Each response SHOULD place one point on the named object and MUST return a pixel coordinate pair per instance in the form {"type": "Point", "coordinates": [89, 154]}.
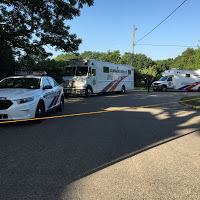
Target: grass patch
{"type": "Point", "coordinates": [194, 101]}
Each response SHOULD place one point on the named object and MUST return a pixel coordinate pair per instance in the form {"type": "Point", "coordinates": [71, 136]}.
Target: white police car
{"type": "Point", "coordinates": [29, 95]}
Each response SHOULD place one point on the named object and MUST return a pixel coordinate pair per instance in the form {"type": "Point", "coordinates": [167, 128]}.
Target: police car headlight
{"type": "Point", "coordinates": [24, 100]}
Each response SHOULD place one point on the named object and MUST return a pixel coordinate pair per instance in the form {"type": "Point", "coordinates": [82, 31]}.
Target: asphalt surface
{"type": "Point", "coordinates": [143, 153]}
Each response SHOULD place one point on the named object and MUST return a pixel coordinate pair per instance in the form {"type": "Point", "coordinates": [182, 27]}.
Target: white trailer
{"type": "Point", "coordinates": [91, 76]}
{"type": "Point", "coordinates": [179, 80]}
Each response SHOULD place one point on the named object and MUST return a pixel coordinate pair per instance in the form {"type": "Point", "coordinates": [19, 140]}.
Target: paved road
{"type": "Point", "coordinates": [143, 153]}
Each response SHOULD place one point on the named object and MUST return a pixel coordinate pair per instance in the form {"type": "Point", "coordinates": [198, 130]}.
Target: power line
{"type": "Point", "coordinates": [167, 45]}
{"type": "Point", "coordinates": [162, 21]}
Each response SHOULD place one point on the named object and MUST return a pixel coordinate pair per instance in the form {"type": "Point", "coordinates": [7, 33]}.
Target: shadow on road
{"type": "Point", "coordinates": [38, 161]}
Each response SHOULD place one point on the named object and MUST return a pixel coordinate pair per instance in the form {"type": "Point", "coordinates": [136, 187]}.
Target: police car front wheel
{"type": "Point", "coordinates": [40, 110]}
{"type": "Point", "coordinates": [61, 105]}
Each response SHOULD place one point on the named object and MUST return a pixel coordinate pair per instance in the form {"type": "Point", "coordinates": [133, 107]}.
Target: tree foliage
{"type": "Point", "coordinates": [109, 56]}
{"type": "Point", "coordinates": [28, 25]}
{"type": "Point", "coordinates": [188, 60]}
{"type": "Point", "coordinates": [7, 61]}
{"type": "Point", "coordinates": [35, 63]}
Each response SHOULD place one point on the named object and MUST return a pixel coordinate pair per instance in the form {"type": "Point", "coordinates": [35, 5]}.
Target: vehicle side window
{"type": "Point", "coordinates": [52, 82]}
{"type": "Point", "coordinates": [169, 79]}
{"type": "Point", "coordinates": [45, 82]}
{"type": "Point", "coordinates": [129, 71]}
{"type": "Point", "coordinates": [106, 69]}
{"type": "Point", "coordinates": [55, 83]}
{"type": "Point", "coordinates": [93, 72]}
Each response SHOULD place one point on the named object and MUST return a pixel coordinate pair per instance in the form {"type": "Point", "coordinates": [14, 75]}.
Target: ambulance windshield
{"type": "Point", "coordinates": [76, 71]}
{"type": "Point", "coordinates": [28, 83]}
{"type": "Point", "coordinates": [164, 78]}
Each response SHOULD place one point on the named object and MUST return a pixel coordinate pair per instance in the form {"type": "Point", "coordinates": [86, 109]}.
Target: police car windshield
{"type": "Point", "coordinates": [28, 83]}
{"type": "Point", "coordinates": [76, 71]}
{"type": "Point", "coordinates": [163, 78]}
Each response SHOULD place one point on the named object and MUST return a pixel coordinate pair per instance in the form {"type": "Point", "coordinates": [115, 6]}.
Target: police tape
{"type": "Point", "coordinates": [90, 113]}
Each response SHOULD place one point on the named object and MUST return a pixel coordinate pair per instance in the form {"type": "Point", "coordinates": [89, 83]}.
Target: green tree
{"type": "Point", "coordinates": [126, 59]}
{"type": "Point", "coordinates": [7, 61]}
{"type": "Point", "coordinates": [34, 63]}
{"type": "Point", "coordinates": [28, 25]}
{"type": "Point", "coordinates": [109, 56]}
{"type": "Point", "coordinates": [162, 65]}
{"type": "Point", "coordinates": [151, 71]}
{"type": "Point", "coordinates": [141, 61]}
{"type": "Point", "coordinates": [197, 59]}
{"type": "Point", "coordinates": [52, 67]}
{"type": "Point", "coordinates": [93, 55]}
{"type": "Point", "coordinates": [112, 57]}
{"type": "Point", "coordinates": [68, 56]}
{"type": "Point", "coordinates": [186, 60]}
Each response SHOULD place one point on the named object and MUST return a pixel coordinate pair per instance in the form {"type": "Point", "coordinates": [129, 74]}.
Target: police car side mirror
{"type": "Point", "coordinates": [46, 87]}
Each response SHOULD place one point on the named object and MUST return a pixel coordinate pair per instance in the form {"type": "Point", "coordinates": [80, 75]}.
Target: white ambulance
{"type": "Point", "coordinates": [179, 80]}
{"type": "Point", "coordinates": [89, 76]}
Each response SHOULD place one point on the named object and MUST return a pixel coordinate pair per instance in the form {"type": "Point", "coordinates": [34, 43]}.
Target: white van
{"type": "Point", "coordinates": [91, 76]}
{"type": "Point", "coordinates": [179, 80]}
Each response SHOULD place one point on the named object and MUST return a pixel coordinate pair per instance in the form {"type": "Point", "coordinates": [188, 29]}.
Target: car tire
{"type": "Point", "coordinates": [88, 91]}
{"type": "Point", "coordinates": [164, 88]}
{"type": "Point", "coordinates": [61, 105]}
{"type": "Point", "coordinates": [40, 110]}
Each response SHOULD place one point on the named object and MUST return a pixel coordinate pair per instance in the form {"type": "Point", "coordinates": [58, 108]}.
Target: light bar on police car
{"type": "Point", "coordinates": [34, 73]}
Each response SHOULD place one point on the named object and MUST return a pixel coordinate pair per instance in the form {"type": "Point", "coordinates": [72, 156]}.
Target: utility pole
{"type": "Point", "coordinates": [134, 29]}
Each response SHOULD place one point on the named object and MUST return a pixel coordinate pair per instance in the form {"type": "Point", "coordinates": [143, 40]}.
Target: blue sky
{"type": "Point", "coordinates": [108, 25]}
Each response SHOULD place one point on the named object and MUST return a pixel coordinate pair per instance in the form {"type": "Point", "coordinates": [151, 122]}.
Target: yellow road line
{"type": "Point", "coordinates": [90, 113]}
